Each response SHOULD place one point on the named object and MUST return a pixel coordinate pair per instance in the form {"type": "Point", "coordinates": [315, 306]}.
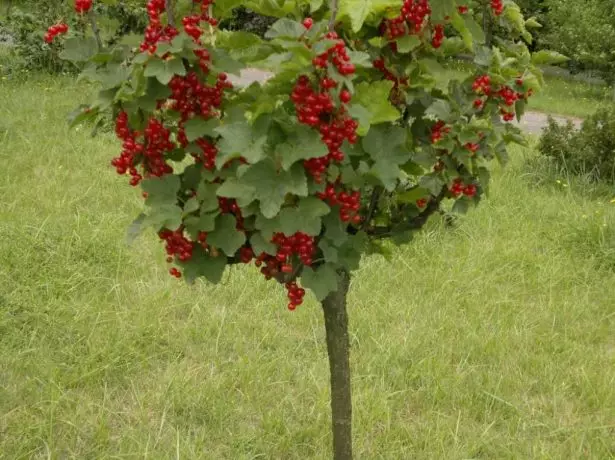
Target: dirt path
{"type": "Point", "coordinates": [532, 122]}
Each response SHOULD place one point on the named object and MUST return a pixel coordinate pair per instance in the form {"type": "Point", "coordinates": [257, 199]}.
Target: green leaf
{"type": "Point", "coordinates": [386, 143]}
{"type": "Point", "coordinates": [412, 195]}
{"type": "Point", "coordinates": [135, 228]}
{"type": "Point", "coordinates": [198, 127]}
{"type": "Point", "coordinates": [363, 116]}
{"type": "Point", "coordinates": [79, 49]}
{"type": "Point", "coordinates": [202, 264]}
{"type": "Point", "coordinates": [305, 217]}
{"type": "Point", "coordinates": [206, 222]}
{"type": "Point", "coordinates": [335, 229]}
{"type": "Point", "coordinates": [374, 98]}
{"type": "Point", "coordinates": [305, 143]}
{"type": "Point", "coordinates": [545, 57]}
{"type": "Point", "coordinates": [161, 190]}
{"type": "Point", "coordinates": [242, 46]}
{"type": "Point", "coordinates": [207, 195]}
{"type": "Point", "coordinates": [239, 139]}
{"type": "Point", "coordinates": [408, 43]}
{"type": "Point", "coordinates": [164, 216]}
{"type": "Point", "coordinates": [233, 188]}
{"type": "Point", "coordinates": [159, 69]}
{"type": "Point", "coordinates": [440, 9]}
{"type": "Point", "coordinates": [271, 185]}
{"type": "Point", "coordinates": [357, 11]}
{"type": "Point", "coordinates": [321, 281]}
{"type": "Point", "coordinates": [286, 28]}
{"type": "Point", "coordinates": [441, 110]}
{"type": "Point", "coordinates": [260, 245]}
{"type": "Point", "coordinates": [226, 236]}
{"type": "Point", "coordinates": [433, 183]}
{"type": "Point", "coordinates": [223, 62]}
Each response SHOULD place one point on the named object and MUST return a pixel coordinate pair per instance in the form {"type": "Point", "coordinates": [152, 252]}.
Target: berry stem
{"type": "Point", "coordinates": [333, 6]}
{"type": "Point", "coordinates": [95, 30]}
{"type": "Point", "coordinates": [168, 6]}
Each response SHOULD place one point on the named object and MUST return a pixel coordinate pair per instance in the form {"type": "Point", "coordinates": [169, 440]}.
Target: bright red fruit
{"type": "Point", "coordinates": [308, 23]}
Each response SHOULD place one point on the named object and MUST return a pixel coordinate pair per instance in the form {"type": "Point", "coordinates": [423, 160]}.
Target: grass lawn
{"type": "Point", "coordinates": [492, 340]}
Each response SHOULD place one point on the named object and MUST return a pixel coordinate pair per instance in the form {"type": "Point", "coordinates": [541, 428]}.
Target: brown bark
{"type": "Point", "coordinates": [338, 348]}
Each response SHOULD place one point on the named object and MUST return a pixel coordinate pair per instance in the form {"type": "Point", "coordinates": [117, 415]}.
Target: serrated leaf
{"type": "Point", "coordinates": [198, 127]}
{"type": "Point", "coordinates": [441, 110]}
{"type": "Point", "coordinates": [304, 144]}
{"type": "Point", "coordinates": [286, 28]}
{"type": "Point", "coordinates": [161, 190]}
{"type": "Point", "coordinates": [206, 222]}
{"type": "Point", "coordinates": [239, 139]}
{"type": "Point", "coordinates": [135, 228]}
{"type": "Point", "coordinates": [408, 43]}
{"type": "Point", "coordinates": [357, 11]}
{"type": "Point", "coordinates": [432, 183]}
{"type": "Point", "coordinates": [158, 68]}
{"type": "Point", "coordinates": [374, 98]}
{"type": "Point", "coordinates": [363, 116]}
{"type": "Point", "coordinates": [202, 264]}
{"type": "Point", "coordinates": [164, 216]}
{"type": "Point", "coordinates": [272, 185]}
{"type": "Point", "coordinates": [260, 245]}
{"type": "Point", "coordinates": [546, 57]}
{"type": "Point", "coordinates": [305, 217]}
{"type": "Point", "coordinates": [223, 62]}
{"type": "Point", "coordinates": [234, 188]}
{"type": "Point", "coordinates": [226, 236]}
{"type": "Point", "coordinates": [79, 49]}
{"type": "Point", "coordinates": [321, 281]}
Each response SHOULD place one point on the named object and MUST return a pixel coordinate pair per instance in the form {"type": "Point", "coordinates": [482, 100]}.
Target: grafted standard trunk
{"type": "Point", "coordinates": [338, 348]}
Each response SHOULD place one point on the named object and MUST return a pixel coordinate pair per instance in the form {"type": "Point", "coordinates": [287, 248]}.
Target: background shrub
{"type": "Point", "coordinates": [589, 151]}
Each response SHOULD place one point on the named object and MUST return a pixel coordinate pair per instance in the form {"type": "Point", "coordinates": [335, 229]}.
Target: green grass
{"type": "Point", "coordinates": [560, 95]}
{"type": "Point", "coordinates": [492, 340]}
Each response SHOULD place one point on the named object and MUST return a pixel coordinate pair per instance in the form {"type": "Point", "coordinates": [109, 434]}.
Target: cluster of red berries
{"type": "Point", "coordinates": [438, 131]}
{"type": "Point", "coordinates": [337, 55]}
{"type": "Point", "coordinates": [149, 152]}
{"type": "Point", "coordinates": [482, 85]}
{"type": "Point", "coordinates": [388, 75]}
{"type": "Point", "coordinates": [83, 6]}
{"type": "Point", "coordinates": [54, 31]}
{"type": "Point", "coordinates": [317, 109]}
{"type": "Point", "coordinates": [295, 295]}
{"type": "Point", "coordinates": [301, 244]}
{"type": "Point", "coordinates": [177, 246]}
{"type": "Point", "coordinates": [458, 188]}
{"type": "Point", "coordinates": [192, 23]}
{"type": "Point", "coordinates": [230, 206]}
{"type": "Point", "coordinates": [497, 6]}
{"type": "Point", "coordinates": [421, 203]}
{"type": "Point", "coordinates": [438, 36]}
{"type": "Point", "coordinates": [191, 97]}
{"type": "Point", "coordinates": [463, 9]}
{"type": "Point", "coordinates": [155, 32]}
{"type": "Point", "coordinates": [349, 203]}
{"type": "Point", "coordinates": [472, 147]}
{"type": "Point", "coordinates": [208, 157]}
{"type": "Point", "coordinates": [414, 13]}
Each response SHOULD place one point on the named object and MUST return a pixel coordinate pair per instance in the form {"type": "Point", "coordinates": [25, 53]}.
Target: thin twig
{"type": "Point", "coordinates": [415, 223]}
{"type": "Point", "coordinates": [95, 29]}
{"type": "Point", "coordinates": [168, 6]}
{"type": "Point", "coordinates": [333, 6]}
{"type": "Point", "coordinates": [373, 205]}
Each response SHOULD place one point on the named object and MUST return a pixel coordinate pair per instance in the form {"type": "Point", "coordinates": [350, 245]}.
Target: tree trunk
{"type": "Point", "coordinates": [338, 348]}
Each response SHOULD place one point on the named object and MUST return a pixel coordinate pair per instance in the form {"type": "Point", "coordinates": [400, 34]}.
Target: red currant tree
{"type": "Point", "coordinates": [359, 137]}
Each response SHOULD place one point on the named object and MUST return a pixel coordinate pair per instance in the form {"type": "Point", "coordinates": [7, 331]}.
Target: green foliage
{"type": "Point", "coordinates": [307, 170]}
{"type": "Point", "coordinates": [584, 30]}
{"type": "Point", "coordinates": [589, 151]}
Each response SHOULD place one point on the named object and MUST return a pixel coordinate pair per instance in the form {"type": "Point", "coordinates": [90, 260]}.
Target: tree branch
{"type": "Point", "coordinates": [168, 6]}
{"type": "Point", "coordinates": [333, 6]}
{"type": "Point", "coordinates": [95, 29]}
{"type": "Point", "coordinates": [415, 223]}
{"type": "Point", "coordinates": [373, 205]}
